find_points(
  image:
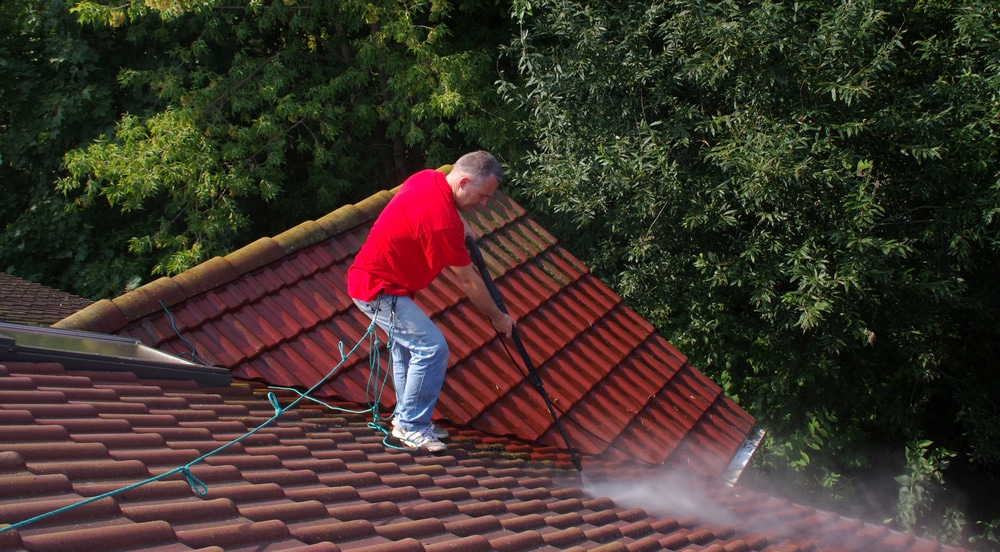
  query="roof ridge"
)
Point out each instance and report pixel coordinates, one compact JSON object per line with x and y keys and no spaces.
{"x":111,"y":315}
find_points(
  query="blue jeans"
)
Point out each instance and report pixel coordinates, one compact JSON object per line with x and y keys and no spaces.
{"x":419,"y":357}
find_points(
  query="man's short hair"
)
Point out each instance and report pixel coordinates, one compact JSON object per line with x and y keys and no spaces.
{"x":479,"y":165}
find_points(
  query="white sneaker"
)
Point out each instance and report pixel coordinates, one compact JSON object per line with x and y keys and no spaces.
{"x":438,"y":432}
{"x":422,"y":438}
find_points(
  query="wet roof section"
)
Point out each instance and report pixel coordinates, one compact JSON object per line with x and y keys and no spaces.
{"x":321,"y":480}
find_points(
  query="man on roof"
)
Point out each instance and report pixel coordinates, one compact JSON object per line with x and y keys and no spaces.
{"x":417,"y":235}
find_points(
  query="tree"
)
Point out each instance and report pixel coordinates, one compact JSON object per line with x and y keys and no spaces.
{"x":803,"y":197}
{"x":59,"y":89}
{"x":265,"y":114}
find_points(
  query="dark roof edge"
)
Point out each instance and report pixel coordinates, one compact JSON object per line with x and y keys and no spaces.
{"x":111,"y":315}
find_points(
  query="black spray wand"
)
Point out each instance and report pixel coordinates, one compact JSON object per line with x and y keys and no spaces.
{"x":477,"y":259}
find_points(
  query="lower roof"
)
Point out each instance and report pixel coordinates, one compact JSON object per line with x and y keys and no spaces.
{"x":26,"y":302}
{"x":277,"y":311}
{"x":313,"y":477}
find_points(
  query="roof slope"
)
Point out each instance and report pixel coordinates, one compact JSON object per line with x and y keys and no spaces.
{"x":317,"y":479}
{"x":25,"y":302}
{"x":277,"y":311}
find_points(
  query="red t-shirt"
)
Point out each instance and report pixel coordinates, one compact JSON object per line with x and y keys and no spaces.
{"x":418,"y":234}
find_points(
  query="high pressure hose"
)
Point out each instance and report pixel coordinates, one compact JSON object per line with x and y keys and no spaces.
{"x":477,"y":258}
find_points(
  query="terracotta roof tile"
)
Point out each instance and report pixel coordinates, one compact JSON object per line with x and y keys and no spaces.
{"x":321,"y":479}
{"x":282,"y":318}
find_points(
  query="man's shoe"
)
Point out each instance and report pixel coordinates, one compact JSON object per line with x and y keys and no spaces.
{"x":438,"y":432}
{"x":422,"y":438}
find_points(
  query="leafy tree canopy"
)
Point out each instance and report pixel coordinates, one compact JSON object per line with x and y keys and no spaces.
{"x":59,"y":87}
{"x":257,"y":116}
{"x":802,"y":196}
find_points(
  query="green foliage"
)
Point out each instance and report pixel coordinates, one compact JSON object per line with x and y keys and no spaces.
{"x":801,"y":196}
{"x":257,"y":116}
{"x":795,"y":451}
{"x":821,"y":457}
{"x":988,"y":532}
{"x":924,"y":478}
{"x":58,"y":90}
{"x":169,"y":162}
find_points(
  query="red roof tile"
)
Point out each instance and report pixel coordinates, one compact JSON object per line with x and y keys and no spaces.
{"x":316,"y":478}
{"x":281,"y":318}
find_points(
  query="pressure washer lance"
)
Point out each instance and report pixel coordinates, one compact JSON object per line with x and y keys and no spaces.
{"x":477,"y":258}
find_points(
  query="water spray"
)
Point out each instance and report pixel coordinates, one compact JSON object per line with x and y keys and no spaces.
{"x":477,"y":258}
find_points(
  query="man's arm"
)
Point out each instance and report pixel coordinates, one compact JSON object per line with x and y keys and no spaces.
{"x":475,"y":288}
